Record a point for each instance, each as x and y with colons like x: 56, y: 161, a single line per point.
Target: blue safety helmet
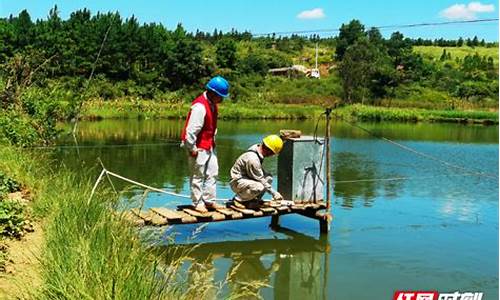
x: 219, y: 85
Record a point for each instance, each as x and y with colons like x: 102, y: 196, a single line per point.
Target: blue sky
x: 261, y: 16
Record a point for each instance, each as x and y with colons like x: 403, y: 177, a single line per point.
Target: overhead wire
x: 383, y: 27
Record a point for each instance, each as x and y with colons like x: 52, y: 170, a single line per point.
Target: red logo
x: 416, y: 295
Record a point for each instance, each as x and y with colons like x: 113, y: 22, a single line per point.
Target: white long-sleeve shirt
x: 194, y: 126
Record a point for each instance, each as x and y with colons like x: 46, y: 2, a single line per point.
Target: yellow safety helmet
x: 273, y: 142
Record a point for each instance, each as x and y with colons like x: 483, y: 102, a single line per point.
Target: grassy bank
x: 149, y: 109
x: 372, y: 113
x: 89, y: 251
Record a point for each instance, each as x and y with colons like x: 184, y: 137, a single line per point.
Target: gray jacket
x: 249, y: 166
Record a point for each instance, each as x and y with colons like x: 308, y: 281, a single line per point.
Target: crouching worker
x: 249, y: 181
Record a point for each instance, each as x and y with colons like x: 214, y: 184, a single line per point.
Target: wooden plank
x: 216, y: 216
x: 186, y: 218
x: 244, y: 211
x: 196, y: 213
x: 132, y: 218
x: 158, y: 220
x: 296, y: 207
x: 283, y: 209
x: 229, y: 213
x: 258, y: 213
x: 268, y: 210
x: 145, y: 215
x: 307, y: 205
x: 272, y: 203
x: 167, y: 213
x: 226, y: 211
x: 315, y: 206
x: 203, y: 217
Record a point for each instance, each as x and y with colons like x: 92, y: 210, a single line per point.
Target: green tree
x: 52, y: 39
x: 83, y: 44
x: 475, y: 41
x: 185, y: 63
x: 360, y: 62
x: 7, y: 37
x: 398, y: 47
x: 444, y: 56
x: 473, y: 89
x: 348, y: 35
x: 375, y: 37
x: 23, y: 30
x: 253, y: 63
x: 226, y: 53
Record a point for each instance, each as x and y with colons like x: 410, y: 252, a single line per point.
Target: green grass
x: 371, y: 113
x: 232, y: 111
x: 461, y: 52
x: 91, y: 252
x: 149, y: 109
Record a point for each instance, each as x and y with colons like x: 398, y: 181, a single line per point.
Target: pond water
x: 401, y: 221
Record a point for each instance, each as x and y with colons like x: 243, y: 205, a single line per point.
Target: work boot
x: 253, y: 204
x: 264, y: 203
x: 200, y: 207
x: 238, y: 203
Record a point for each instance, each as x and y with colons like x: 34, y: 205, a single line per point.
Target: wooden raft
x: 185, y: 214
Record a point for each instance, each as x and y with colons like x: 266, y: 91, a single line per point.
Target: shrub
x: 7, y: 185
x: 17, y: 129
x: 12, y: 219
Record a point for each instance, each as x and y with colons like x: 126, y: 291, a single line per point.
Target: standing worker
x: 248, y: 179
x: 198, y: 137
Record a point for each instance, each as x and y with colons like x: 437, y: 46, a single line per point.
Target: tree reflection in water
x: 352, y: 167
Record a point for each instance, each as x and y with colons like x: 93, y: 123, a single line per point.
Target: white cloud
x: 316, y: 13
x: 466, y: 12
x: 478, y: 7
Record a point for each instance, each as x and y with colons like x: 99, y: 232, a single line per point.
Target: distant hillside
x: 460, y: 52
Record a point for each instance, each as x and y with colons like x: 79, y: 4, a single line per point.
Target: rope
x: 422, y: 154
x: 103, y: 172
x: 147, y: 187
x: 103, y: 146
x: 110, y: 146
x: 403, y: 178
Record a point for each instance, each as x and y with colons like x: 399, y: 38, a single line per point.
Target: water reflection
x: 297, y: 266
x: 352, y: 170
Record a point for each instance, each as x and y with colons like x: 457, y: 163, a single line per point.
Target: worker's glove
x: 277, y: 196
x: 194, y: 152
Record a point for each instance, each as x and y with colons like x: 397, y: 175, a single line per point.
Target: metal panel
x: 301, y: 170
